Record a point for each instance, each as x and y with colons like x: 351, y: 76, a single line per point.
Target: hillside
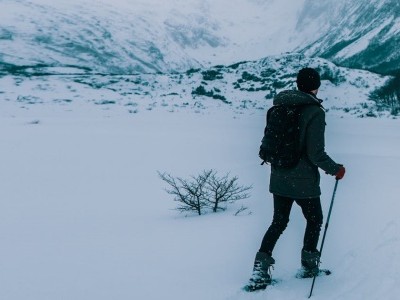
x: 245, y: 86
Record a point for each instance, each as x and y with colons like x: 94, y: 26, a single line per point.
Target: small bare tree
x: 206, y: 190
x: 191, y: 193
x: 224, y: 189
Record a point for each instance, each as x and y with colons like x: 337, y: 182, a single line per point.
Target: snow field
x: 84, y: 215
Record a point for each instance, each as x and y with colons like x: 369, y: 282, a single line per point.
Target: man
x: 301, y: 183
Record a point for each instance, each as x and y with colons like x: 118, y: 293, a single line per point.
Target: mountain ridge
x: 126, y: 37
x: 361, y: 34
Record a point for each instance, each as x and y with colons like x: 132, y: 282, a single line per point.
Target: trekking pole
x: 323, y: 238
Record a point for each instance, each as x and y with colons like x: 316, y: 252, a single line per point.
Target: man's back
x: 302, y: 181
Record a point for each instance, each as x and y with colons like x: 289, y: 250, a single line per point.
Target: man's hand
x: 340, y: 174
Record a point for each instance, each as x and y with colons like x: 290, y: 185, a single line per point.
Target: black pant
x: 312, y: 211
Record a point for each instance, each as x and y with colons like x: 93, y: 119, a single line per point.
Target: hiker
x: 300, y: 183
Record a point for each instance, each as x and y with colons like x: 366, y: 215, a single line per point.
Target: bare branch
x: 204, y: 190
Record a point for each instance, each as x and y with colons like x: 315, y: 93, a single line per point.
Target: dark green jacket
x: 303, y: 180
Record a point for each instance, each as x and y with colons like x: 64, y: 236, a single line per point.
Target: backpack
x: 280, y: 145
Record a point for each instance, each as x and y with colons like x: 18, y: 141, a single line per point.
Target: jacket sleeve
x: 315, y: 144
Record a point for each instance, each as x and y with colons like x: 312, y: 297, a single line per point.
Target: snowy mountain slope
x: 359, y: 34
x: 137, y: 36
x: 126, y: 36
x: 86, y: 34
x: 245, y: 86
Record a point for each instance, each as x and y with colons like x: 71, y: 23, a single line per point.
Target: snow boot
x: 261, y: 277
x: 310, y: 262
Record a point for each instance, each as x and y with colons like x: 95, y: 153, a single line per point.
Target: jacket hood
x: 294, y: 97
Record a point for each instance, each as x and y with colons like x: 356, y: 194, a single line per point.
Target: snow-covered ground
x: 84, y: 215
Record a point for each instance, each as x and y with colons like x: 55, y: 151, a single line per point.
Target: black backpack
x: 280, y: 145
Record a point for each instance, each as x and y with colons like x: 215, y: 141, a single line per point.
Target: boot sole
x: 250, y: 288
x: 304, y: 274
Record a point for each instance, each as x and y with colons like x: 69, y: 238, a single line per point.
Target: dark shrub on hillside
x: 250, y: 77
x: 221, y: 97
x: 212, y: 75
x: 192, y: 71
x: 278, y: 84
x: 201, y: 91
x: 388, y: 95
x: 333, y: 76
x: 267, y: 72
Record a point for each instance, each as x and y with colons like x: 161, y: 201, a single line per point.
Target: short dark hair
x: 308, y: 79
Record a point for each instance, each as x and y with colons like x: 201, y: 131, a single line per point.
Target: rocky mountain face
x: 363, y: 34
x: 119, y: 37
x: 126, y: 36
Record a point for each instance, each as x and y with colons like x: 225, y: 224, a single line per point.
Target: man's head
x: 308, y: 80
